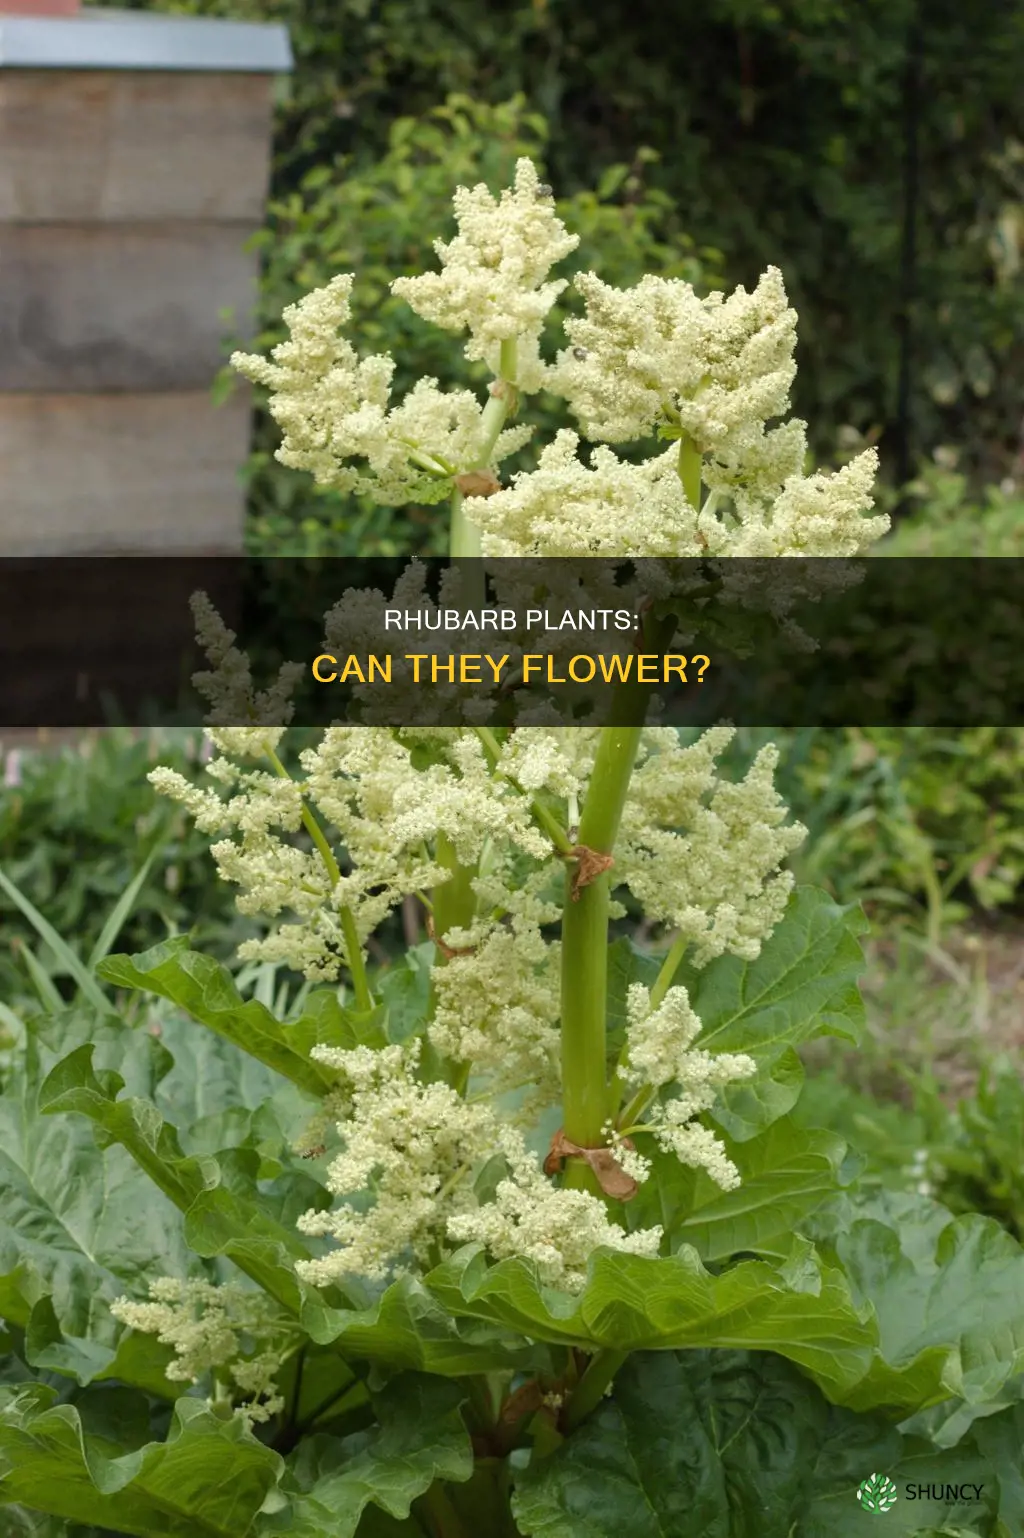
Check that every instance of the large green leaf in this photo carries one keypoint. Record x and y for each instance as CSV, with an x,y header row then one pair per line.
x,y
79,1225
219,1220
631,1303
732,1445
207,1480
330,1482
802,985
207,992
786,1173
407,1328
950,1309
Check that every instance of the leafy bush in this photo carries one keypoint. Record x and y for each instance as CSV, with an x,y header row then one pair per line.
x,y
946,518
965,1153
78,825
917,822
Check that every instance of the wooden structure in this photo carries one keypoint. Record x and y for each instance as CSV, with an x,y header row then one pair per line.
x,y
134,162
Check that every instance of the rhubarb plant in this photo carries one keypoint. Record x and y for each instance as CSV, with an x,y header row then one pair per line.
x,y
514,1231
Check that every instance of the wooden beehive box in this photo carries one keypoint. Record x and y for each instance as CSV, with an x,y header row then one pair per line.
x,y
134,163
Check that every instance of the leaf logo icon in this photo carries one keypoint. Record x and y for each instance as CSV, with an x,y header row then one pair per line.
x,y
876,1494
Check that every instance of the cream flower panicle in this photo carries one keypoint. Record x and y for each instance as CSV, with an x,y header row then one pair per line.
x,y
558,1230
413,1145
494,273
660,1054
701,854
497,1008
337,422
657,355
250,721
613,508
231,1331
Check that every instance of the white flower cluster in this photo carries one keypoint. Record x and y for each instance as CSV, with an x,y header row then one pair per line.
x,y
384,811
497,1008
212,1329
562,508
709,373
660,1053
334,408
416,1148
656,354
493,281
703,854
413,1145
557,1229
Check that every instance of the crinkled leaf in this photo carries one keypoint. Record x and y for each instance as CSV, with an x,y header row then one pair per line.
x,y
626,965
407,1328
209,1074
785,1174
207,1480
206,990
950,1316
138,1360
745,1107
420,1437
405,992
1001,1441
802,985
218,1220
79,1225
632,1303
736,1445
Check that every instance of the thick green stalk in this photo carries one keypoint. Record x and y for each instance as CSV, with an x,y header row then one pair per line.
x,y
585,953
592,1387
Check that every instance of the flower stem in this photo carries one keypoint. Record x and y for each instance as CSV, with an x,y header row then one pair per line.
x,y
444,1519
544,819
669,968
454,899
585,955
592,1386
353,949
464,537
690,461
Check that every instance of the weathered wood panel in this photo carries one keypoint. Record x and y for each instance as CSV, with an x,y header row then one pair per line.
x,y
122,474
120,307
109,145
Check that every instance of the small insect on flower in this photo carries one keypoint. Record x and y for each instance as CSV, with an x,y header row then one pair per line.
x,y
544,191
580,353
315,1153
